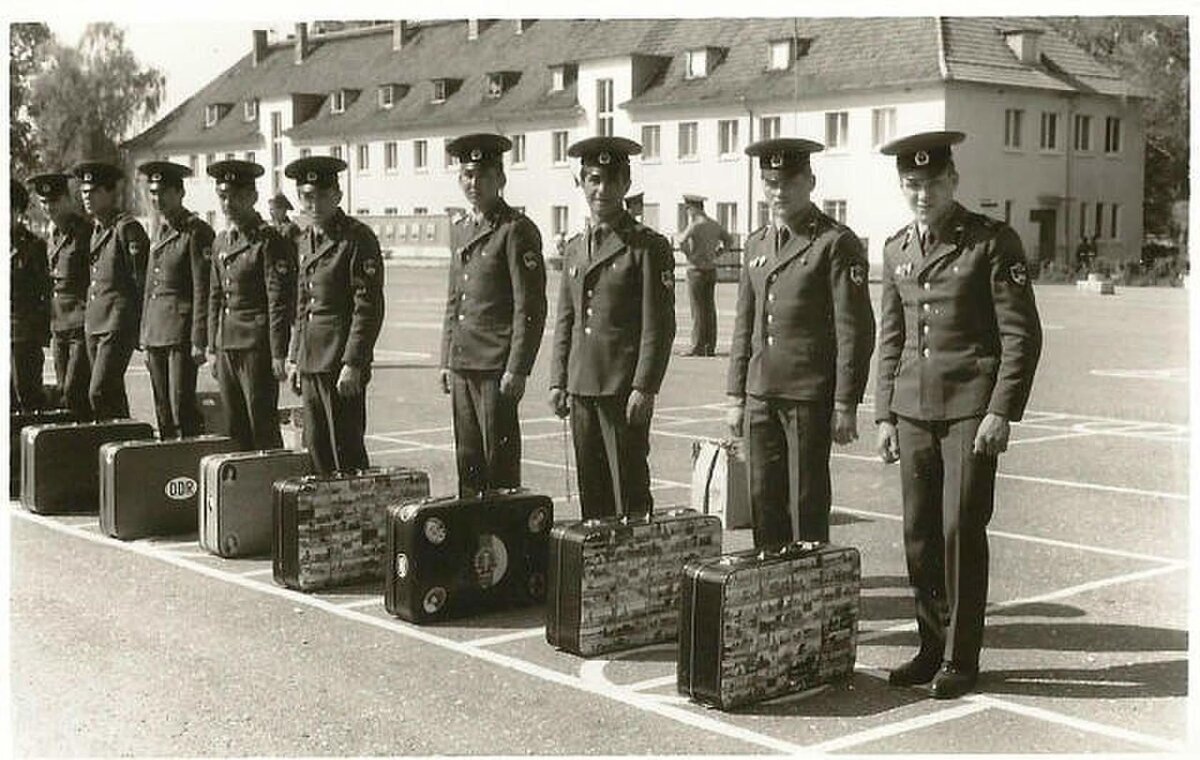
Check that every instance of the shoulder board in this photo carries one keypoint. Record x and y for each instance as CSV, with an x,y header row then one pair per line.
x,y
898,234
761,232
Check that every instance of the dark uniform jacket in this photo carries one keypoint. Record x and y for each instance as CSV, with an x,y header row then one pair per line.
x,y
616,313
804,329
248,295
29,310
340,297
69,253
176,308
118,277
959,329
496,306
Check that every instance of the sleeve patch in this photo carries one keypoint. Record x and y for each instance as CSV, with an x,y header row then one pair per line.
x,y
668,278
531,259
371,267
1018,273
858,274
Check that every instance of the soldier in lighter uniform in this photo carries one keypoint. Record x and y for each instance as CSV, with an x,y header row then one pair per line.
x,y
702,241
249,309
613,335
495,315
175,310
801,349
29,309
117,258
959,342
338,318
69,242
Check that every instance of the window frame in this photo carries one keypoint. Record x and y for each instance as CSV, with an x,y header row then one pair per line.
x,y
683,128
840,122
728,128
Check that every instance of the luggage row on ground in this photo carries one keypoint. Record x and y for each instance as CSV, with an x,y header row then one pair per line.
x,y
750,625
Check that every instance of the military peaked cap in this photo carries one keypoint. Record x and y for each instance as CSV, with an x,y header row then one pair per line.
x,y
786,154
50,185
97,173
925,153
481,148
164,173
233,173
315,171
604,151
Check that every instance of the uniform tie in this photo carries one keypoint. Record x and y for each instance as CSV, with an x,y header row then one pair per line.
x,y
782,236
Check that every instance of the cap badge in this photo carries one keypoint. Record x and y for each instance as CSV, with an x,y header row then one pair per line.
x,y
604,158
156,177
44,188
776,160
311,176
921,158
87,176
476,154
230,176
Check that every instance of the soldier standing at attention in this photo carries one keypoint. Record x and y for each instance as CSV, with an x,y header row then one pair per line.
x,y
612,339
175,310
801,349
249,314
69,242
338,318
112,319
959,342
701,243
29,310
495,315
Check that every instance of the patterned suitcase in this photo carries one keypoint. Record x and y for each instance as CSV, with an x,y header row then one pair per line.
x,y
452,557
720,483
614,583
236,496
149,488
332,531
60,464
18,421
755,627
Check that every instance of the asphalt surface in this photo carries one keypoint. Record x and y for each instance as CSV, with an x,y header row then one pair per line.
x,y
154,648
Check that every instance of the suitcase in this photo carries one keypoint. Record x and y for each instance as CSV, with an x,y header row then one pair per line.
x,y
235,498
332,531
18,421
614,583
720,483
756,627
452,557
149,488
60,469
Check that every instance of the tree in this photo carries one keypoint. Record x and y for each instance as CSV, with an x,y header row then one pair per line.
x,y
26,45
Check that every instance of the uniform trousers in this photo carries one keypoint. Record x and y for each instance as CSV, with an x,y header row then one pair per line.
x,y
73,370
787,457
334,425
25,380
612,457
948,498
487,434
173,381
250,394
109,354
702,294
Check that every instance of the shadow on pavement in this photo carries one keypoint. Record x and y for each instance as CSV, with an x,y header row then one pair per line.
x,y
860,696
1165,678
1068,637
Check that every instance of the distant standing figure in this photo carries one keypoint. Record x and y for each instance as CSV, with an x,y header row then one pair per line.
x,y
29,311
702,241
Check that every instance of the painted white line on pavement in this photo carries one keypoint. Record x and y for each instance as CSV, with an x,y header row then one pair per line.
x,y
397,450
168,545
360,603
503,638
1044,438
1079,724
889,730
652,683
256,573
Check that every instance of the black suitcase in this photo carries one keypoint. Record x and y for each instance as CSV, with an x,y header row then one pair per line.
x,y
151,488
60,469
235,498
756,626
453,557
18,421
332,531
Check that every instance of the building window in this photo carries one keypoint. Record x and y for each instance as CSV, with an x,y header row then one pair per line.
x,y
558,147
210,217
835,210
230,156
209,160
727,136
768,127
194,163
1112,135
518,150
1013,118
387,96
651,138
276,180
727,216
305,152
449,160
764,213
883,125
837,128
250,156
390,211
363,159
441,90
1048,135
1083,209
780,54
695,64
650,215
420,155
362,212
337,102
335,151
558,220
212,112
1083,132
1008,209
391,156
681,217
419,211
689,139
558,79
1114,223
1098,225
604,107
250,109
495,85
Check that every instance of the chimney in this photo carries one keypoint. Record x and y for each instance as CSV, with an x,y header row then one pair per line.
x,y
472,29
301,42
523,24
399,33
260,46
1025,44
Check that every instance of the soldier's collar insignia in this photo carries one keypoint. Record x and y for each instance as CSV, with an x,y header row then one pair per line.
x,y
921,158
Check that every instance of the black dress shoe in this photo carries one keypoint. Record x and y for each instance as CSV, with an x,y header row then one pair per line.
x,y
952,682
918,670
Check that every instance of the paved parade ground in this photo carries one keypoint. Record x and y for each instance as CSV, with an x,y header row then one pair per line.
x,y
155,648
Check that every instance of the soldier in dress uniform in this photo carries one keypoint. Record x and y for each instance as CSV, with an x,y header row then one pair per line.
x,y
959,341
613,336
495,315
636,206
175,310
112,319
249,309
29,310
338,318
69,243
701,243
801,348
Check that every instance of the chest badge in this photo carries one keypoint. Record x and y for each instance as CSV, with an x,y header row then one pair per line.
x,y
904,271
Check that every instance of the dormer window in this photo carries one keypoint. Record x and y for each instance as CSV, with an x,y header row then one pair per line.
x,y
780,54
250,109
500,82
561,77
444,88
337,101
213,112
387,96
696,64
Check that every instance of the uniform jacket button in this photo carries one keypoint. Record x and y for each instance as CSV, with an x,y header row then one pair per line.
x,y
587,331
770,340
925,352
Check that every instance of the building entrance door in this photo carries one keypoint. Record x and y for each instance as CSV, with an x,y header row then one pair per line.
x,y
1047,221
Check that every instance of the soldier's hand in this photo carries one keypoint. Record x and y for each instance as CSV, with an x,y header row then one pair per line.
x,y
350,381
845,425
639,408
992,437
889,442
444,379
558,402
735,416
279,369
199,357
212,366
512,385
294,379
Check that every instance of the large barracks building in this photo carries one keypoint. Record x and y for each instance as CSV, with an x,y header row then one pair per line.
x,y
1055,139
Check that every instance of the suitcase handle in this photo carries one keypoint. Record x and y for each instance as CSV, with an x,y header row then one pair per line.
x,y
794,549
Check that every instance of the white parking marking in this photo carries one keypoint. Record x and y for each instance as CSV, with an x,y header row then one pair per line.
x,y
1079,724
504,638
360,603
897,728
256,573
1171,375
